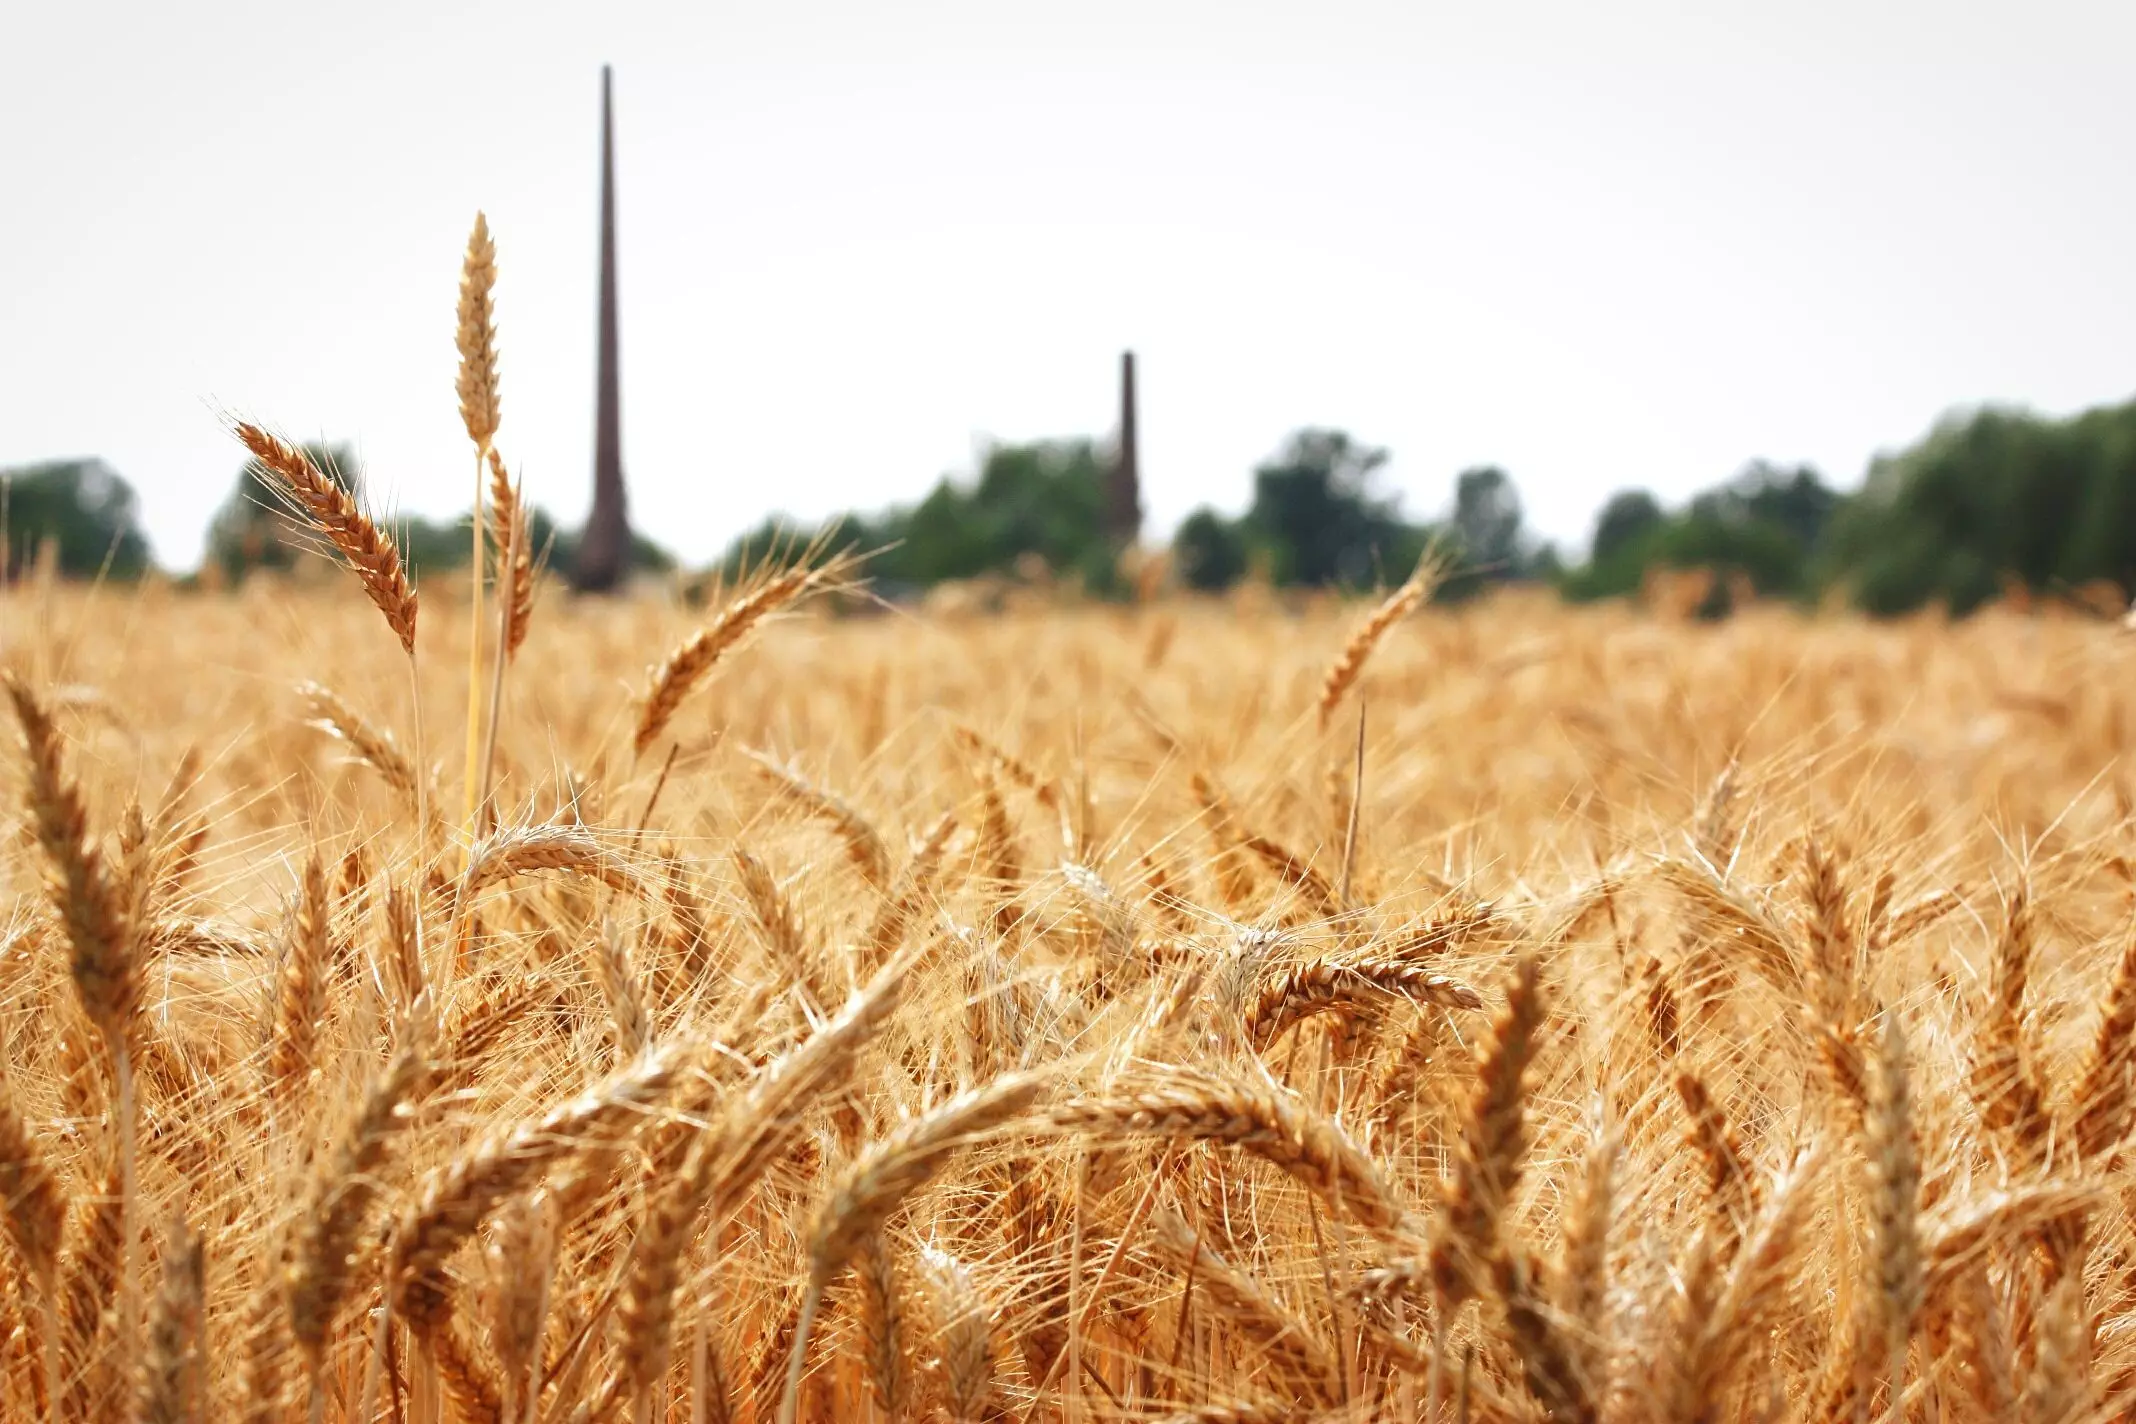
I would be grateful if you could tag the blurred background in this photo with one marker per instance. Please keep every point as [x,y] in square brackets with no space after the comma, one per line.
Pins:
[1824,301]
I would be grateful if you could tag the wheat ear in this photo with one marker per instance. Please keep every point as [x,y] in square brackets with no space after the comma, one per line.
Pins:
[103,958]
[863,846]
[301,1000]
[2004,1081]
[512,535]
[374,746]
[1487,1161]
[522,1259]
[965,1329]
[515,606]
[476,337]
[174,1332]
[725,1162]
[1261,1120]
[688,665]
[623,992]
[2102,1099]
[334,514]
[455,1198]
[1338,986]
[82,890]
[902,906]
[344,1190]
[885,1330]
[880,1180]
[1349,664]
[1582,1284]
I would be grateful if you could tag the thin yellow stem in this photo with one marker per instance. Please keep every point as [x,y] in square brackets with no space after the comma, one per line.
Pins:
[422,762]
[48,1288]
[129,1200]
[470,781]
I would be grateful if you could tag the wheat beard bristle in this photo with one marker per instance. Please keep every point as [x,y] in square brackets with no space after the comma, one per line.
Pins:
[367,549]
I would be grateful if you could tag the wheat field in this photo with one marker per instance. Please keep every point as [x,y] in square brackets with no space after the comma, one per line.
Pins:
[777,1007]
[1059,1015]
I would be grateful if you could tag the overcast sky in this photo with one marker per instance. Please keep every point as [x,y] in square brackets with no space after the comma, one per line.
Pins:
[1597,244]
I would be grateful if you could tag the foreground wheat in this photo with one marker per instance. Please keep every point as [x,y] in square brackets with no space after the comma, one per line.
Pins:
[1137,1119]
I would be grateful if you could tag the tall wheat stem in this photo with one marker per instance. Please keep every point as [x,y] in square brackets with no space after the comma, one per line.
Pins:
[130,1296]
[48,1308]
[422,764]
[474,779]
[803,1328]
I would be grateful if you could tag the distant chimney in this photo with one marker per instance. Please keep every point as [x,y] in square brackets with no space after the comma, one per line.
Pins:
[1123,485]
[604,549]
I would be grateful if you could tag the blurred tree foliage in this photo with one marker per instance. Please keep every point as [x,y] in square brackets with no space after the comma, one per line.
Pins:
[1987,499]
[1768,524]
[82,510]
[1317,519]
[1042,501]
[1991,496]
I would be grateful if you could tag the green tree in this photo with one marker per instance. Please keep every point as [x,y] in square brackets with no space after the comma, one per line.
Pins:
[83,509]
[1630,515]
[1990,495]
[1044,500]
[1768,523]
[1211,551]
[1485,532]
[1487,517]
[1795,502]
[1318,518]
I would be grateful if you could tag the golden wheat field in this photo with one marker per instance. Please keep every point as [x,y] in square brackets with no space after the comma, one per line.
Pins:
[1060,1015]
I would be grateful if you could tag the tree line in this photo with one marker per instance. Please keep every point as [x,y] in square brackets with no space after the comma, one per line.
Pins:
[1989,500]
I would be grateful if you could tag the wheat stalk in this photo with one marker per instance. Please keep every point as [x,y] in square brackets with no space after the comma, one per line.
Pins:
[480,411]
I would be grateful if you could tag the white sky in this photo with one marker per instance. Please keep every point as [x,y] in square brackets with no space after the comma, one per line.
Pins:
[1598,244]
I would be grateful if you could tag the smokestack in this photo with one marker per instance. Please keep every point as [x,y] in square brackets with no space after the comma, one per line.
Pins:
[604,550]
[1123,487]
